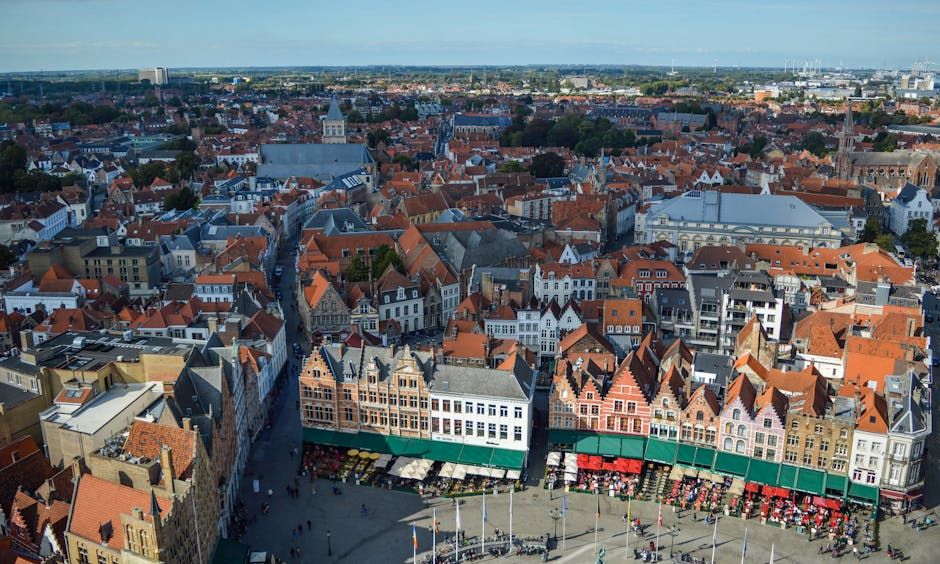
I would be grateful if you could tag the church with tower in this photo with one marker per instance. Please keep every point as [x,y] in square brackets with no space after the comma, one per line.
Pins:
[886,170]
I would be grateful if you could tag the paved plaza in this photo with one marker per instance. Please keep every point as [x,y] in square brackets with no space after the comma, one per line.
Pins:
[384,534]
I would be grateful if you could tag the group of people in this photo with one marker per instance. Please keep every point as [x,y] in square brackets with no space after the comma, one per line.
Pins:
[609,482]
[696,494]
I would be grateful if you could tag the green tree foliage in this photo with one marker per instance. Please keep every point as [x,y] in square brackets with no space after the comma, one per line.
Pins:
[384,256]
[871,232]
[919,241]
[584,135]
[15,178]
[755,148]
[186,164]
[376,137]
[6,256]
[405,161]
[815,143]
[885,241]
[511,166]
[357,270]
[355,116]
[184,199]
[547,165]
[885,142]
[76,113]
[145,174]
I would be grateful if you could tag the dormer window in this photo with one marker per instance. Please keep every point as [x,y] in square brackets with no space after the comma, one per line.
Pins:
[401,293]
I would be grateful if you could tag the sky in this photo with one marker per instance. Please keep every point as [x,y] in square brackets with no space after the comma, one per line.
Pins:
[109,34]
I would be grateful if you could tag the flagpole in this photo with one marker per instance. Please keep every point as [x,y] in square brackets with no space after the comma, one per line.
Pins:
[511,487]
[771,553]
[457,533]
[744,546]
[714,539]
[597,515]
[564,520]
[414,543]
[628,526]
[659,522]
[434,535]
[483,526]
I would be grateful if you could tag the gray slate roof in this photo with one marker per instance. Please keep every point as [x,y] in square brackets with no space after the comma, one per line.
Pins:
[745,209]
[312,160]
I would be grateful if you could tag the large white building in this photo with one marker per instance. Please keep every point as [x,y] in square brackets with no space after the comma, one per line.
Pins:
[703,218]
[912,202]
[482,406]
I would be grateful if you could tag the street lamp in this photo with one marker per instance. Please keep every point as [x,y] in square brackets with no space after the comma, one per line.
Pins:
[329,547]
[672,543]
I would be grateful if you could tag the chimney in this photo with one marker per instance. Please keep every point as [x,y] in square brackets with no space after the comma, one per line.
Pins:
[166,464]
[187,424]
[213,323]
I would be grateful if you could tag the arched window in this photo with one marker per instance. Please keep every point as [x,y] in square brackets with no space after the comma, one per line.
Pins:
[728,444]
[736,414]
[699,416]
[729,428]
[739,447]
[742,431]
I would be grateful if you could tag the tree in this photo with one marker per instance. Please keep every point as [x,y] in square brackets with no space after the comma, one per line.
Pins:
[376,137]
[885,241]
[547,165]
[384,256]
[355,116]
[858,91]
[919,241]
[357,270]
[6,256]
[511,166]
[145,174]
[186,164]
[406,162]
[12,160]
[885,142]
[871,232]
[182,200]
[815,143]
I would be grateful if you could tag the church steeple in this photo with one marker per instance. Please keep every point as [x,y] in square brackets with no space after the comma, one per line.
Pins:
[846,144]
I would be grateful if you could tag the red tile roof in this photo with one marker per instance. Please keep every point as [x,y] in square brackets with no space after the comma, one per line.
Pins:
[99,504]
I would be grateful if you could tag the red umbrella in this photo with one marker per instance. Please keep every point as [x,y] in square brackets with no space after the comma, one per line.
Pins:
[634,466]
[768,490]
[751,487]
[612,466]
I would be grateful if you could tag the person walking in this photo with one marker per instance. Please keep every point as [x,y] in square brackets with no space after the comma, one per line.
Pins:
[309,524]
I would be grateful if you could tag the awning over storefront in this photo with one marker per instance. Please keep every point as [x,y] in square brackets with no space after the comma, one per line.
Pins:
[810,481]
[704,457]
[685,454]
[660,451]
[632,447]
[787,476]
[608,445]
[734,464]
[863,493]
[763,472]
[587,444]
[419,448]
[836,485]
[562,437]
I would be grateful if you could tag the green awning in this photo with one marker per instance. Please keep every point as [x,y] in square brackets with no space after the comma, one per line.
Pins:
[734,464]
[505,458]
[608,445]
[836,484]
[660,451]
[318,436]
[444,451]
[762,472]
[704,457]
[787,476]
[587,444]
[371,441]
[229,551]
[475,455]
[562,436]
[810,481]
[685,454]
[863,493]
[632,447]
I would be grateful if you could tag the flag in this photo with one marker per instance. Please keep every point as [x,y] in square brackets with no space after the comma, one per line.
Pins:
[414,536]
[659,522]
[564,505]
[629,501]
[458,516]
[484,507]
[744,546]
[598,498]
[771,553]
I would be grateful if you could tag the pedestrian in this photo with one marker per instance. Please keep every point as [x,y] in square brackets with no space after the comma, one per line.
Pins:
[694,516]
[270,493]
[855,553]
[309,524]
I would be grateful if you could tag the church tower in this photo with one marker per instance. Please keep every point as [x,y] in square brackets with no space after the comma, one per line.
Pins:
[846,144]
[334,125]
